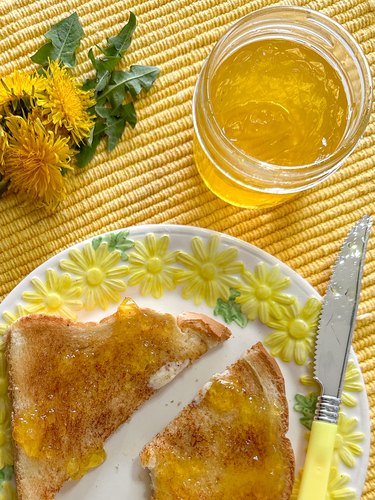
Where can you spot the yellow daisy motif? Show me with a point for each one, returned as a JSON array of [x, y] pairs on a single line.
[[261, 295], [4, 409], [347, 448], [8, 491], [58, 295], [6, 455], [10, 317], [150, 265], [337, 486], [19, 85], [6, 446], [352, 383], [34, 161], [65, 104], [209, 271], [294, 332], [98, 274]]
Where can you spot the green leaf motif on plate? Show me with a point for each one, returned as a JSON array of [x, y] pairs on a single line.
[[6, 473], [116, 241], [230, 310], [305, 404]]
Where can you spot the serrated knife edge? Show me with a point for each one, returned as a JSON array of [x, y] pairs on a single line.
[[334, 356], [337, 318]]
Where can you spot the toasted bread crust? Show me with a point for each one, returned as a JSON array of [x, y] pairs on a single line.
[[194, 433], [37, 344], [204, 325]]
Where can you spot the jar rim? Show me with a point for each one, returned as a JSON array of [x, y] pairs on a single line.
[[335, 158]]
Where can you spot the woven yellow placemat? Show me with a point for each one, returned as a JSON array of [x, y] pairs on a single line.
[[151, 177]]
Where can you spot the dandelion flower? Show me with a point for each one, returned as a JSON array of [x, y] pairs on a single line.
[[57, 295], [151, 266], [97, 274], [261, 295], [347, 448], [294, 332], [336, 489], [10, 317], [34, 160], [17, 86], [3, 147], [65, 104], [352, 383], [209, 271]]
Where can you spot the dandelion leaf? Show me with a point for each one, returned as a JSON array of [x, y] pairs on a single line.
[[87, 149], [115, 90], [63, 41], [128, 113], [135, 80], [103, 71], [43, 55], [119, 44], [114, 129]]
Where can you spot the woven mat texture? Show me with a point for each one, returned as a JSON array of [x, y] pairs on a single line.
[[151, 177]]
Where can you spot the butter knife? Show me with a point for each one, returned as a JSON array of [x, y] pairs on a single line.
[[333, 342]]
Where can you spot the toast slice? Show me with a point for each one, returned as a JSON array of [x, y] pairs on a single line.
[[230, 442], [72, 384]]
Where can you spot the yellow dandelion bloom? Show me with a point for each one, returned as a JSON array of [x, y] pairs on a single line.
[[294, 332], [33, 161], [65, 104], [347, 447], [352, 383], [261, 294], [209, 271], [150, 265], [337, 486], [58, 295], [19, 85], [10, 317], [98, 274], [3, 147]]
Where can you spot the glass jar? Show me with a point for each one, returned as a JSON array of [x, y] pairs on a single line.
[[243, 180]]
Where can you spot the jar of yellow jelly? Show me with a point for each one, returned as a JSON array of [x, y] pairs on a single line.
[[281, 101]]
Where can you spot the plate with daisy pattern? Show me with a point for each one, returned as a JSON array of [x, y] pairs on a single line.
[[172, 269]]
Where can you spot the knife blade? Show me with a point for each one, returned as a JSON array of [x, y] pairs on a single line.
[[332, 347]]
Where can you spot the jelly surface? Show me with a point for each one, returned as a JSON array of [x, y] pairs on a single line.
[[93, 384], [231, 449], [280, 102]]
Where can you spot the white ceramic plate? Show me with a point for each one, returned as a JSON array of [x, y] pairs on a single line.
[[121, 476]]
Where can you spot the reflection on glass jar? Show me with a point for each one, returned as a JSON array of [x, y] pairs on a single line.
[[279, 104]]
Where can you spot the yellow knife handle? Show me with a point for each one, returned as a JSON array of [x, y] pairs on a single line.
[[318, 461]]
